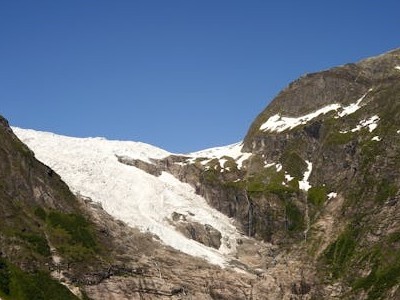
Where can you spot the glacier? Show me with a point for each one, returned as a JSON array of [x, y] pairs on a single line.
[[91, 168]]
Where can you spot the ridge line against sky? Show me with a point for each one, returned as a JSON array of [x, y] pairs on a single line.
[[180, 75]]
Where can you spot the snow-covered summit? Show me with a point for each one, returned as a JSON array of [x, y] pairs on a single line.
[[91, 168]]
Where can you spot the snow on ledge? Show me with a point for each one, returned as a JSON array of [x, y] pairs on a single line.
[[371, 123], [278, 123]]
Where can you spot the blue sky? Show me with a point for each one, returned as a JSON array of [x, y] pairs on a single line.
[[182, 75]]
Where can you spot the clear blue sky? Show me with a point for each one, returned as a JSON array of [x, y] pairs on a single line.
[[182, 75]]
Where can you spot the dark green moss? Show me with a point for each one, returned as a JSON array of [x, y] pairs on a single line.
[[4, 278], [40, 213], [317, 195], [295, 220]]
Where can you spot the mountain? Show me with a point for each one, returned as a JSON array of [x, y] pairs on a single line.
[[305, 207]]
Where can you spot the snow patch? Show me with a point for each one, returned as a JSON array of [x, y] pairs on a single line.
[[278, 123], [278, 167], [90, 167], [397, 68], [304, 184], [288, 177], [332, 195], [234, 151], [269, 165], [376, 138], [371, 123]]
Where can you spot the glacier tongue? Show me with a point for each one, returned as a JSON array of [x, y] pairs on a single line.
[[90, 167]]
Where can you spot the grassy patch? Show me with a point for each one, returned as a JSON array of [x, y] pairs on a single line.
[[72, 235], [37, 242], [18, 285], [317, 195], [385, 272], [336, 138]]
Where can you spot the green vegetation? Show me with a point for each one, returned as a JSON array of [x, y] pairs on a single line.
[[370, 150], [211, 176], [40, 213], [385, 190], [336, 138], [37, 242], [294, 164], [317, 195], [295, 220], [17, 285], [385, 269], [339, 254], [269, 181], [72, 235]]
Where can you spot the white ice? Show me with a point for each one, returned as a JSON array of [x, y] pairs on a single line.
[[90, 167]]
